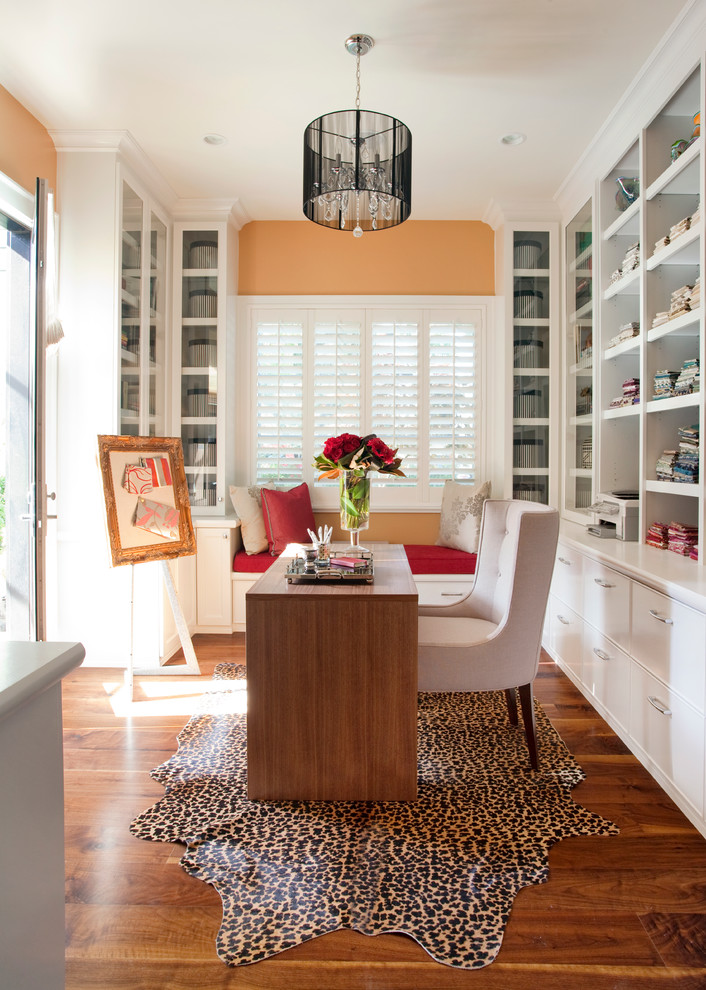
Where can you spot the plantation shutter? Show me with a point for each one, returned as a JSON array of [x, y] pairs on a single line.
[[452, 400], [394, 390], [337, 377], [279, 391]]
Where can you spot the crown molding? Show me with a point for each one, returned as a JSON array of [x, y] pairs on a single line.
[[499, 212], [123, 145], [228, 210], [672, 61]]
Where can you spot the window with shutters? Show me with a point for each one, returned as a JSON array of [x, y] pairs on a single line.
[[409, 374]]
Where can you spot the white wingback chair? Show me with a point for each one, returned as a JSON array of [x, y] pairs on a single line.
[[490, 640]]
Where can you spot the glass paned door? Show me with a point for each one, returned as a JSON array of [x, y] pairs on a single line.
[[130, 312]]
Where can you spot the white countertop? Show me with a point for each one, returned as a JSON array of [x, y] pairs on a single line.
[[27, 669], [679, 577]]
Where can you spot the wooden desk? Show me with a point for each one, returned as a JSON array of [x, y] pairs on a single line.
[[332, 686]]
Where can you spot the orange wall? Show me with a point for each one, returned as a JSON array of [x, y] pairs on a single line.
[[420, 257], [26, 150]]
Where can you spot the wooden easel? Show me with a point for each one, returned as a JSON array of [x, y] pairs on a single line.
[[191, 666]]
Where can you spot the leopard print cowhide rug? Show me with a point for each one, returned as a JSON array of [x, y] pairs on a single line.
[[443, 870]]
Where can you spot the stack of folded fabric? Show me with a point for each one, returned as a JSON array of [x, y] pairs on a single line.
[[695, 297], [682, 538], [694, 552], [664, 383], [658, 536], [664, 467], [679, 302], [625, 332], [679, 228], [686, 467], [661, 243], [630, 262], [631, 394], [660, 318], [688, 380]]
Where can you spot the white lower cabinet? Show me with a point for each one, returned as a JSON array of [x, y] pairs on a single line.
[[214, 563], [668, 639], [606, 674], [566, 635], [641, 656], [669, 732]]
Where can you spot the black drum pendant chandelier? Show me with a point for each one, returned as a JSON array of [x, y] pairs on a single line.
[[357, 164]]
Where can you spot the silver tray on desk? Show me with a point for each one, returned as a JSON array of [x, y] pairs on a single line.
[[299, 573]]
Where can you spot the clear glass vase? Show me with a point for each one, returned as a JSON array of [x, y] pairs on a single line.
[[354, 489]]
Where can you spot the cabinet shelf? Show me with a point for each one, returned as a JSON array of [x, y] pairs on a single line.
[[531, 471], [681, 177], [622, 412], [531, 372], [673, 488], [685, 250], [530, 272], [580, 472], [576, 267], [673, 402], [629, 284], [631, 346], [528, 421], [586, 419], [686, 325], [627, 224], [530, 321]]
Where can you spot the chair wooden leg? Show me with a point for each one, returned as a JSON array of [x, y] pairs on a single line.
[[528, 717], [511, 699]]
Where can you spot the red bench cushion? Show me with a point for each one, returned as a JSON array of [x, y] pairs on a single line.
[[423, 559]]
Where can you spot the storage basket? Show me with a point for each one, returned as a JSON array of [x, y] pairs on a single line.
[[528, 303], [203, 254], [527, 254], [528, 353], [203, 452], [528, 491], [200, 402], [529, 404], [202, 353], [202, 302], [528, 452]]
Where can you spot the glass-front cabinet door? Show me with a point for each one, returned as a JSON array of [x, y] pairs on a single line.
[[578, 364], [531, 312], [143, 295], [199, 299]]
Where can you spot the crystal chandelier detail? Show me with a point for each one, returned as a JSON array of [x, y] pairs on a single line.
[[357, 164]]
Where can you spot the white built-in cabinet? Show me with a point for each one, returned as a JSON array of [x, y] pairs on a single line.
[[203, 407], [531, 265]]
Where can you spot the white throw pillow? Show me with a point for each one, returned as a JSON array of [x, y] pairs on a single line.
[[461, 509], [247, 503]]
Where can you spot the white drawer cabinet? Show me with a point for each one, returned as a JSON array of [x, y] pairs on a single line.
[[668, 639], [606, 674], [606, 601], [670, 732], [566, 635], [442, 592], [567, 580]]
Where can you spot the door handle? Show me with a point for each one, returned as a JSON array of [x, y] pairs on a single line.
[[662, 618]]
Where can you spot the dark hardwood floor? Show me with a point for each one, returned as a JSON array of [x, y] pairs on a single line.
[[618, 913]]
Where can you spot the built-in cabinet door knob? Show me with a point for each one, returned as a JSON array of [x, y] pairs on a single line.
[[603, 584], [600, 654], [563, 621], [563, 560]]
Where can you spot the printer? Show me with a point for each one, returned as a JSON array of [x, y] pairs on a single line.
[[616, 515]]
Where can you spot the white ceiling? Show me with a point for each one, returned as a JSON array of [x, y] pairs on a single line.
[[459, 73]]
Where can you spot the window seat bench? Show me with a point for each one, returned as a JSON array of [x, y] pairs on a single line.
[[440, 573]]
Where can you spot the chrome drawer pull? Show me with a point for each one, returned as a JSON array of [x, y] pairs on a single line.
[[659, 705], [451, 594], [563, 560], [563, 620], [603, 584], [662, 618], [600, 654]]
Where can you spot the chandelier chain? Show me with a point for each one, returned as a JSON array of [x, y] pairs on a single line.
[[357, 79]]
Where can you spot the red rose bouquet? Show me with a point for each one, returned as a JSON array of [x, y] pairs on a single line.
[[349, 452]]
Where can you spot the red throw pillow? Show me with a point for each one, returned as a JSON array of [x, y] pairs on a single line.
[[288, 516]]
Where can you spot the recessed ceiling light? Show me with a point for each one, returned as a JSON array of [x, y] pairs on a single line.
[[214, 139], [515, 137]]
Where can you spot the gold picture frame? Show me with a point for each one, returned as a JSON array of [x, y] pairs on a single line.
[[128, 543]]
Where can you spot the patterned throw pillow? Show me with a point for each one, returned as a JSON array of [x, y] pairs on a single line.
[[461, 509], [247, 503]]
